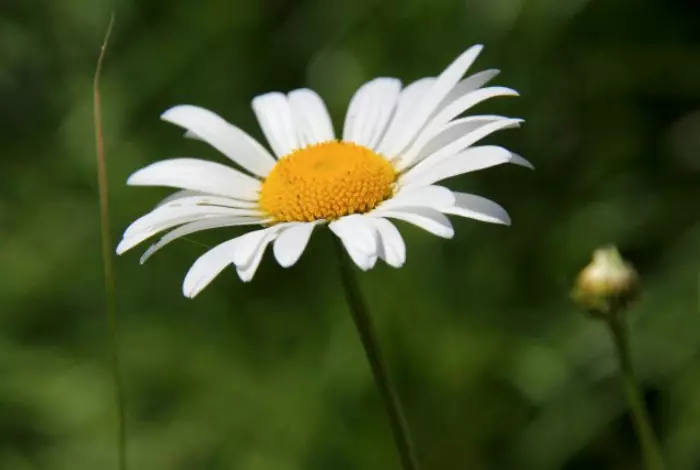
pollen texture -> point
(326, 181)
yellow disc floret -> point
(326, 181)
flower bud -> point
(607, 285)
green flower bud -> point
(607, 285)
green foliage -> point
(496, 368)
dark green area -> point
(496, 368)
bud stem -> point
(640, 416)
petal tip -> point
(505, 91)
(520, 161)
(191, 135)
(135, 178)
(286, 263)
(122, 247)
(147, 254)
(265, 96)
(168, 113)
(188, 290)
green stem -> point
(107, 250)
(365, 328)
(640, 416)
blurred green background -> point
(496, 368)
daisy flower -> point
(396, 144)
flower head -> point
(396, 144)
(607, 285)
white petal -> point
(248, 245)
(311, 117)
(445, 82)
(362, 260)
(460, 105)
(179, 195)
(518, 160)
(429, 220)
(207, 267)
(370, 110)
(194, 227)
(383, 104)
(275, 117)
(392, 248)
(209, 200)
(198, 175)
(193, 136)
(291, 242)
(223, 136)
(469, 84)
(409, 98)
(165, 215)
(479, 208)
(211, 263)
(430, 142)
(164, 218)
(246, 273)
(472, 159)
(420, 196)
(461, 143)
(355, 230)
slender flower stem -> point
(365, 328)
(109, 283)
(640, 416)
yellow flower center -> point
(326, 181)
